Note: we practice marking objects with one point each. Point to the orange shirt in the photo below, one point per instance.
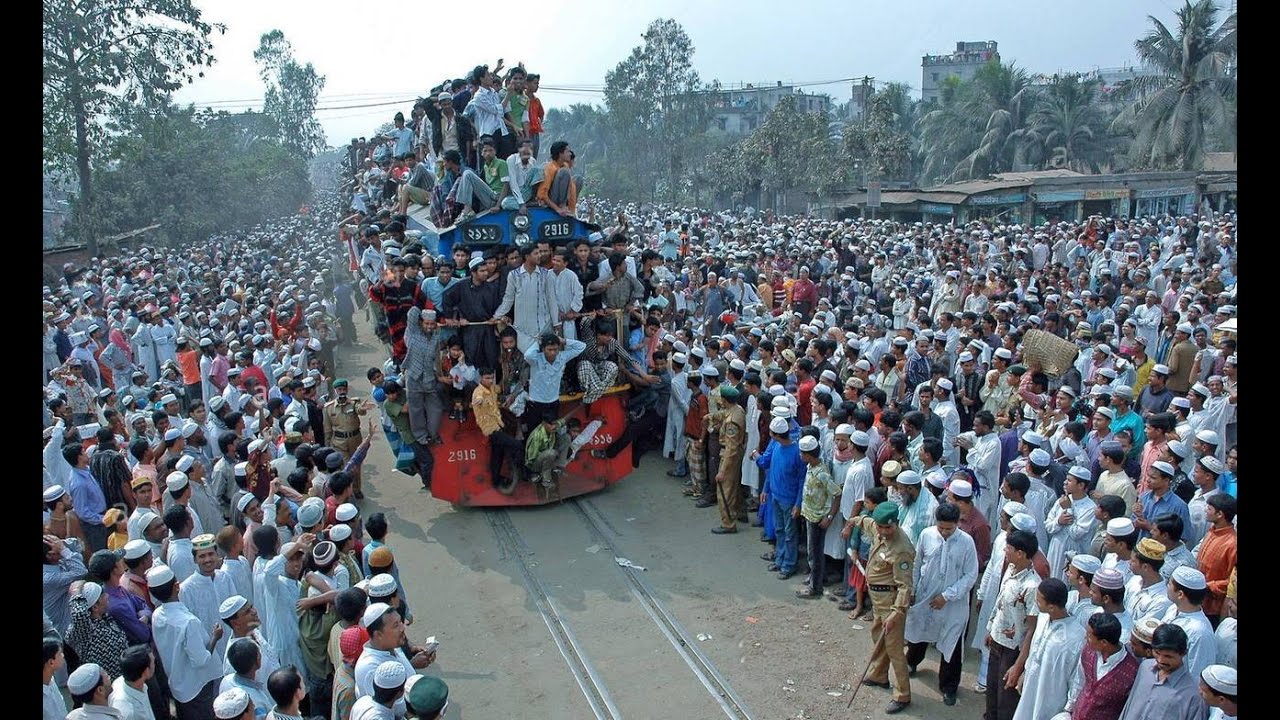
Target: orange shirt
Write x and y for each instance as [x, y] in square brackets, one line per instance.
[544, 188]
[1217, 559]
[189, 364]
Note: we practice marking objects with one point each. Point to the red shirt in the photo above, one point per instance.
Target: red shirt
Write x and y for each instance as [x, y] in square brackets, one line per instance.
[536, 113]
[802, 395]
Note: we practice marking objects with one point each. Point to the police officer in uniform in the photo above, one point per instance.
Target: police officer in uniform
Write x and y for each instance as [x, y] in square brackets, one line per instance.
[889, 582]
[731, 422]
[342, 425]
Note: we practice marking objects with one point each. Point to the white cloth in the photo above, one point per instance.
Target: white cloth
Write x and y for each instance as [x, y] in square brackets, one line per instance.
[1202, 643]
[183, 643]
[270, 659]
[536, 311]
[946, 411]
[202, 595]
[1226, 635]
[673, 439]
[366, 709]
[568, 289]
[834, 545]
[55, 706]
[1070, 539]
[1052, 661]
[131, 704]
[1151, 601]
[948, 568]
[179, 558]
[751, 471]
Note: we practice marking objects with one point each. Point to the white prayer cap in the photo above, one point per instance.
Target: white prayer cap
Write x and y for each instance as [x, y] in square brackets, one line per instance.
[176, 480]
[390, 675]
[1163, 467]
[1185, 328]
[781, 412]
[1033, 438]
[184, 463]
[1106, 412]
[1004, 353]
[189, 428]
[966, 357]
[1181, 401]
[1024, 522]
[54, 492]
[959, 488]
[1161, 369]
[945, 384]
[679, 358]
[1013, 507]
[241, 469]
[243, 503]
[1189, 578]
[216, 403]
[777, 390]
[908, 477]
[1208, 436]
[710, 371]
[381, 585]
[172, 434]
[697, 351]
[91, 591]
[231, 606]
[860, 438]
[808, 443]
[938, 479]
[1079, 472]
[844, 429]
[1039, 457]
[1086, 563]
[738, 365]
[373, 612]
[135, 549]
[779, 425]
[1120, 527]
[346, 512]
[85, 678]
[1212, 464]
[1220, 678]
[230, 705]
[680, 346]
[779, 401]
[170, 398]
[159, 575]
[862, 364]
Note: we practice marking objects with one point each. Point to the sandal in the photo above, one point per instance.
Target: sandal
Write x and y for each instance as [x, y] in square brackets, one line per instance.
[846, 606]
[770, 556]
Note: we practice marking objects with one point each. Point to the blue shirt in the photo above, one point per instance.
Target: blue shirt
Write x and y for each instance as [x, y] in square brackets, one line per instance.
[544, 377]
[1227, 483]
[1132, 422]
[435, 290]
[404, 140]
[1153, 508]
[784, 472]
[87, 495]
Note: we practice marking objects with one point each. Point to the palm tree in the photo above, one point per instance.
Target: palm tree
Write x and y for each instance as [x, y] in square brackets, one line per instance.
[1070, 124]
[1003, 95]
[946, 133]
[1177, 110]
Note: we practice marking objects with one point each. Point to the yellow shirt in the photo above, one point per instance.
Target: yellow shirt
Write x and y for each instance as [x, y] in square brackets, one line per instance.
[117, 541]
[485, 402]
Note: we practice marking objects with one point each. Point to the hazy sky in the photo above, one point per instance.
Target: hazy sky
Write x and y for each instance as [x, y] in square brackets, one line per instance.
[380, 57]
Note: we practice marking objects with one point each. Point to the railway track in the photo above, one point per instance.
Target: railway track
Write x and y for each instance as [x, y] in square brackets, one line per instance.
[593, 687]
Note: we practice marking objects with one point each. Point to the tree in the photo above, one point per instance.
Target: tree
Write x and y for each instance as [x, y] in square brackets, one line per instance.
[984, 121]
[1070, 124]
[658, 107]
[1175, 112]
[101, 56]
[794, 151]
[292, 92]
[878, 143]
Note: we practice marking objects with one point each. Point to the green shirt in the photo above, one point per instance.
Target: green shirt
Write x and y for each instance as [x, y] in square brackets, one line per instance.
[493, 172]
[819, 488]
[519, 104]
[399, 418]
[540, 440]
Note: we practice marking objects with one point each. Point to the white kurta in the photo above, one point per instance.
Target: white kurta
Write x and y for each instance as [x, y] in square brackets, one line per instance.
[988, 589]
[144, 351]
[1066, 540]
[1053, 660]
[568, 299]
[202, 595]
[673, 440]
[984, 460]
[946, 411]
[751, 471]
[165, 339]
[948, 568]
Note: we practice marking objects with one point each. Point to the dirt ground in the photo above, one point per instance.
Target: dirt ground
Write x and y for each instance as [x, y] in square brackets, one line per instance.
[785, 657]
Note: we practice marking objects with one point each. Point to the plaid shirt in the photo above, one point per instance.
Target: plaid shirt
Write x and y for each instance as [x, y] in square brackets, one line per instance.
[422, 354]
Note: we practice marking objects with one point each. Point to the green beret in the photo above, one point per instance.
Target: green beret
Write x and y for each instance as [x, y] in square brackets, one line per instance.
[428, 696]
[729, 392]
[1018, 369]
[340, 382]
[885, 513]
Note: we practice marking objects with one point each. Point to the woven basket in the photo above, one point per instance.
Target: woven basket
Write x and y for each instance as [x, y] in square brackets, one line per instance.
[1054, 354]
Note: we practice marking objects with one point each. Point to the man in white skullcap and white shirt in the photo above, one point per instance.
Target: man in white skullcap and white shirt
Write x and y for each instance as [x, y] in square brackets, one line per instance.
[186, 648]
[90, 686]
[388, 681]
[1120, 540]
[946, 411]
[242, 618]
[1071, 521]
[1218, 690]
[916, 506]
[1187, 590]
[386, 636]
[983, 457]
[205, 589]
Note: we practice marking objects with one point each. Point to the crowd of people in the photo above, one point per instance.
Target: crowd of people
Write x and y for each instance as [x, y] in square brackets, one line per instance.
[880, 399]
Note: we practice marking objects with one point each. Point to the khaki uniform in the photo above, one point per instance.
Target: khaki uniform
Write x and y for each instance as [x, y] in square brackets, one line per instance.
[889, 583]
[732, 425]
[342, 429]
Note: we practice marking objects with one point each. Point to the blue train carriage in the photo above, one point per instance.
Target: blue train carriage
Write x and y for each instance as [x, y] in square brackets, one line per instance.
[509, 227]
